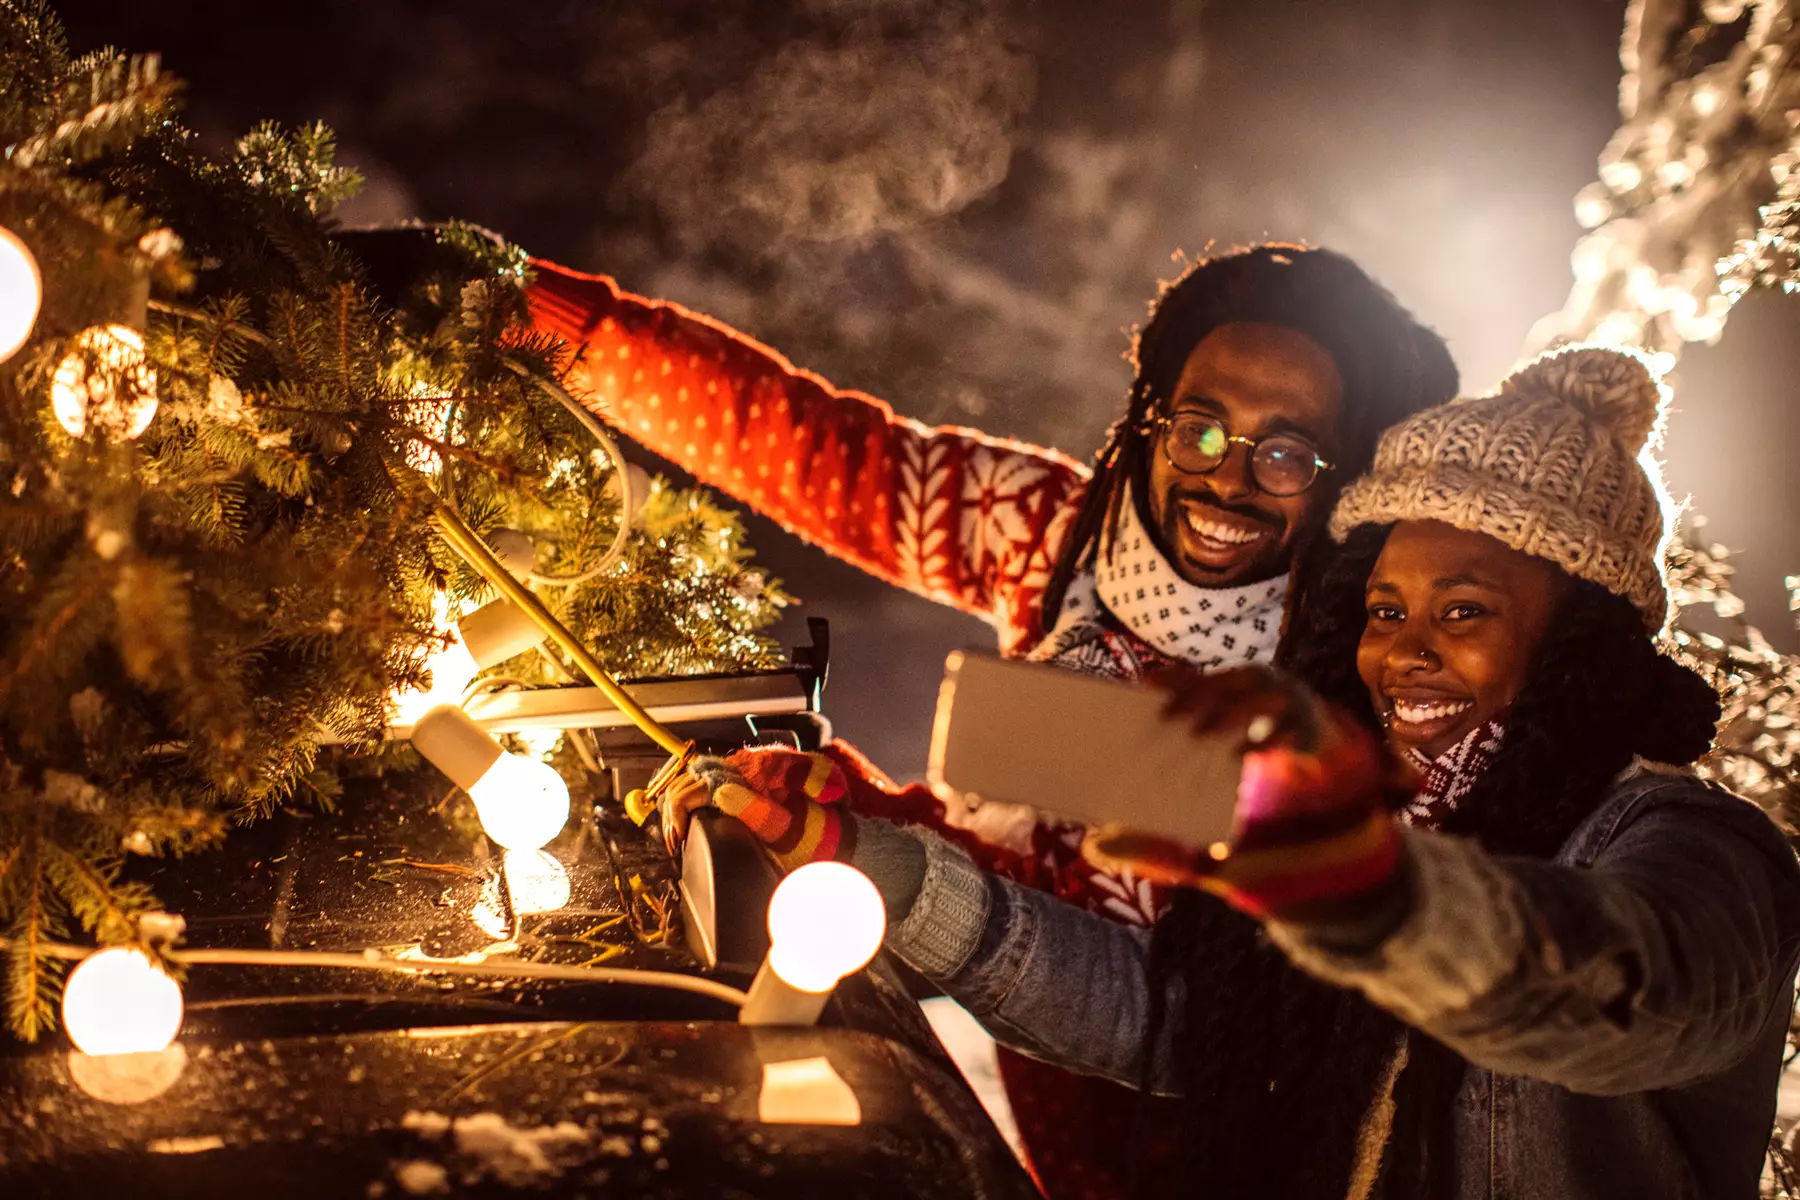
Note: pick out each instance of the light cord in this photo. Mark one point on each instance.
(370, 960)
(621, 475)
(476, 553)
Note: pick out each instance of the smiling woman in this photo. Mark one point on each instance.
(1454, 619)
(1604, 952)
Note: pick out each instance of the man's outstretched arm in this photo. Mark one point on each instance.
(956, 516)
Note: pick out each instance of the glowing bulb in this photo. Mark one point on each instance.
(825, 921)
(119, 1002)
(522, 803)
(540, 741)
(1593, 205)
(430, 415)
(1621, 175)
(21, 293)
(536, 881)
(104, 383)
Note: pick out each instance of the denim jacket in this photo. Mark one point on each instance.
(1622, 1008)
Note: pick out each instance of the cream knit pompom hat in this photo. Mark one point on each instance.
(1555, 465)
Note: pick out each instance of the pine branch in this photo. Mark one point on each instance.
(90, 888)
(33, 975)
(46, 638)
(181, 614)
(125, 98)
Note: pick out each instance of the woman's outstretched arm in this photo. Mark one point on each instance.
(1661, 964)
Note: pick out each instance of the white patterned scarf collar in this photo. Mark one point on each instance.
(1447, 779)
(1208, 627)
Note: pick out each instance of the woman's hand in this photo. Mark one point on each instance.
(1312, 838)
(786, 798)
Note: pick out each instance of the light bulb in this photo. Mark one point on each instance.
(104, 383)
(497, 631)
(515, 550)
(522, 803)
(826, 920)
(430, 415)
(119, 1002)
(536, 881)
(21, 293)
(540, 741)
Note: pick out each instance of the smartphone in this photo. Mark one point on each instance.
(1093, 750)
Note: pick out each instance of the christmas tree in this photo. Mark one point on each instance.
(228, 431)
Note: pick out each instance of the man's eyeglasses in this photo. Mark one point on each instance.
(1281, 464)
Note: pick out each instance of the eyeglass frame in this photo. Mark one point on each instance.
(1165, 421)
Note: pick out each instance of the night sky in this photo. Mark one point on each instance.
(963, 206)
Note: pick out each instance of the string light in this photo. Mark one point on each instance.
(119, 1002)
(522, 803)
(105, 384)
(21, 293)
(826, 920)
(430, 415)
(1702, 143)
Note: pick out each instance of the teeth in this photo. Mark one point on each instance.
(1216, 532)
(1418, 714)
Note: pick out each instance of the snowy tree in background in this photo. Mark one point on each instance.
(1694, 207)
(1698, 202)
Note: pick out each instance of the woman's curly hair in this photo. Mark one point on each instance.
(1280, 1068)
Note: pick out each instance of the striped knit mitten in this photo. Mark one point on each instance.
(787, 798)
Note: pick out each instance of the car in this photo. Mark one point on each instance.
(384, 1074)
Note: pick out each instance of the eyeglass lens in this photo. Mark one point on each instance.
(1281, 465)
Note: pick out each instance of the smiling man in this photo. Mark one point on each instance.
(1263, 380)
(1231, 519)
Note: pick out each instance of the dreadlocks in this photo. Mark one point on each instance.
(1391, 366)
(1281, 1069)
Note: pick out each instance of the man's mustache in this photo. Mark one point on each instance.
(1248, 512)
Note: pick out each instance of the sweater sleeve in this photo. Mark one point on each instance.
(956, 516)
(1045, 978)
(1658, 966)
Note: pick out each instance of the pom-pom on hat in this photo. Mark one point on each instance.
(1553, 465)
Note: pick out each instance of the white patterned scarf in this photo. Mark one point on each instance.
(1208, 627)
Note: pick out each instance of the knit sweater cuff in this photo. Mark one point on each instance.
(893, 858)
(944, 927)
(1464, 936)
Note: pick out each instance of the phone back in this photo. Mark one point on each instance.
(1093, 750)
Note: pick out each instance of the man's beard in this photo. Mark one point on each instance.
(1196, 560)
